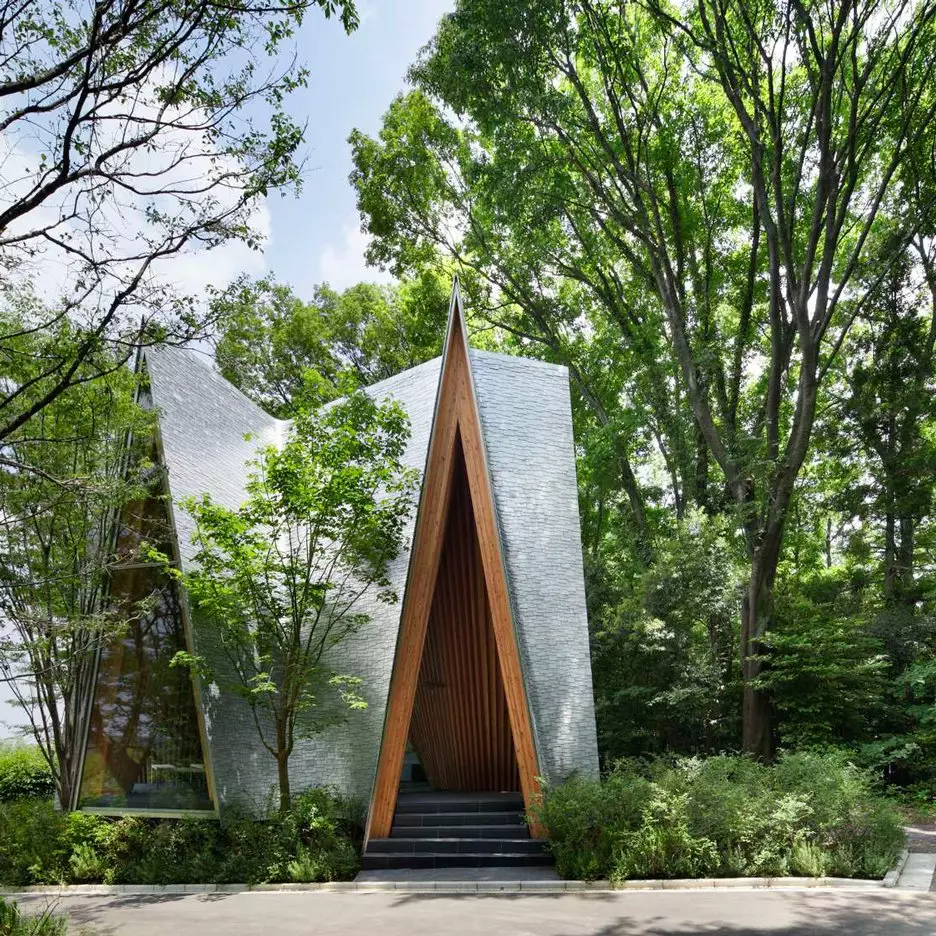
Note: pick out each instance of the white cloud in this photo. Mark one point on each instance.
(342, 265)
(191, 272)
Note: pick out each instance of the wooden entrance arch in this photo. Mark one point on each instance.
(456, 473)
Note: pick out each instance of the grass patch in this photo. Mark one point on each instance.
(13, 922)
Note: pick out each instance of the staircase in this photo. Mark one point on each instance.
(457, 830)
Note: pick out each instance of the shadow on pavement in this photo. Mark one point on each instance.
(727, 913)
(89, 910)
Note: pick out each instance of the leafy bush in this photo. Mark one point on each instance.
(809, 814)
(318, 839)
(663, 845)
(909, 756)
(24, 774)
(14, 923)
(33, 845)
(584, 817)
(326, 828)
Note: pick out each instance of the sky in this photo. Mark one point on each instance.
(316, 237)
(354, 78)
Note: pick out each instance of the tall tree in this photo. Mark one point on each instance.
(710, 174)
(876, 431)
(61, 485)
(280, 579)
(272, 344)
(135, 130)
(891, 406)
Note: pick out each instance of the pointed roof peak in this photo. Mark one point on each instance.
(456, 316)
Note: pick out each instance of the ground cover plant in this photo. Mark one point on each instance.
(808, 814)
(317, 839)
(13, 922)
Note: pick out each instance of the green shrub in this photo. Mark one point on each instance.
(318, 839)
(582, 816)
(321, 833)
(33, 844)
(340, 862)
(811, 813)
(663, 845)
(86, 864)
(253, 852)
(24, 774)
(14, 923)
(809, 859)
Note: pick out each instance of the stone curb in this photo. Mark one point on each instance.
(890, 879)
(542, 887)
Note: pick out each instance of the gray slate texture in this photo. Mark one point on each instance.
(203, 422)
(526, 421)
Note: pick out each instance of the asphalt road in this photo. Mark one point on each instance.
(741, 913)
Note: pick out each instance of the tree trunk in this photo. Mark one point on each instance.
(756, 615)
(65, 781)
(890, 555)
(701, 469)
(905, 560)
(282, 767)
(282, 772)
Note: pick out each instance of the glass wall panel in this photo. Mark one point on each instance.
(144, 748)
(144, 521)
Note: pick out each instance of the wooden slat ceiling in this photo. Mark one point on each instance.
(456, 443)
(460, 727)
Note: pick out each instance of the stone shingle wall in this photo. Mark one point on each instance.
(346, 756)
(526, 419)
(203, 421)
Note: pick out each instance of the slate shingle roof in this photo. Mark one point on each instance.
(527, 425)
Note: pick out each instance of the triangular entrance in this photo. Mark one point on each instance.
(143, 748)
(460, 727)
(449, 615)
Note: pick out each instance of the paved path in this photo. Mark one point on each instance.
(918, 873)
(680, 913)
(921, 837)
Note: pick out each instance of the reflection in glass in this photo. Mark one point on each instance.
(144, 522)
(144, 749)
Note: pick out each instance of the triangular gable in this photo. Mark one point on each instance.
(145, 747)
(456, 422)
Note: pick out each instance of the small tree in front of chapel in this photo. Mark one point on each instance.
(279, 581)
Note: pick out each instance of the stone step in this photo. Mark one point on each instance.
(402, 819)
(380, 861)
(455, 846)
(459, 802)
(515, 830)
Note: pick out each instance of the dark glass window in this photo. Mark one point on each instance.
(144, 746)
(144, 522)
